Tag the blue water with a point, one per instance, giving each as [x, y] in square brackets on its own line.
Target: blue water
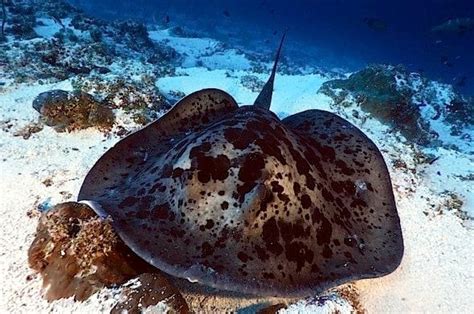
[327, 33]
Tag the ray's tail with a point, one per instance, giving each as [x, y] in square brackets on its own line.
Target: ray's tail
[264, 99]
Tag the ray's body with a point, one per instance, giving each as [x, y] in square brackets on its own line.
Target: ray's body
[238, 199]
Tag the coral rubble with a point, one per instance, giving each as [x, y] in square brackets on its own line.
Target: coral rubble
[77, 253]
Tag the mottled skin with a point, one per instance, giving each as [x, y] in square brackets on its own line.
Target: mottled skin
[236, 199]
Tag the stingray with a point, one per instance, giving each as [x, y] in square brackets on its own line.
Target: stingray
[237, 199]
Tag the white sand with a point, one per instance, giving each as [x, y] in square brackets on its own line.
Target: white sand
[436, 274]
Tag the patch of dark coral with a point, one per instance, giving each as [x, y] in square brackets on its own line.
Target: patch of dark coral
[252, 83]
[68, 111]
[56, 59]
[375, 90]
[4, 20]
[460, 114]
[134, 34]
[68, 55]
[20, 16]
[21, 20]
[57, 9]
[77, 253]
[139, 98]
[107, 49]
[149, 290]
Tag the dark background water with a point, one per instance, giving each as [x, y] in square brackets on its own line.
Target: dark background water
[345, 34]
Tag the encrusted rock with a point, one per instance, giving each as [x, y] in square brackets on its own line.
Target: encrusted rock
[67, 111]
[460, 114]
[134, 35]
[252, 82]
[70, 55]
[77, 253]
[86, 23]
[150, 290]
[139, 98]
[57, 9]
[21, 20]
[375, 90]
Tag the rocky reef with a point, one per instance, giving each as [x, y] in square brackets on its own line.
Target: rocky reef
[406, 101]
[69, 43]
[459, 113]
[94, 55]
[375, 91]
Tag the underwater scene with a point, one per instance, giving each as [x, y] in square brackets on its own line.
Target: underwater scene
[236, 156]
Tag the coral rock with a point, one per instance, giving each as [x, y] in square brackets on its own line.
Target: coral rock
[77, 253]
[148, 290]
[375, 89]
[141, 99]
[21, 20]
[67, 111]
[460, 114]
